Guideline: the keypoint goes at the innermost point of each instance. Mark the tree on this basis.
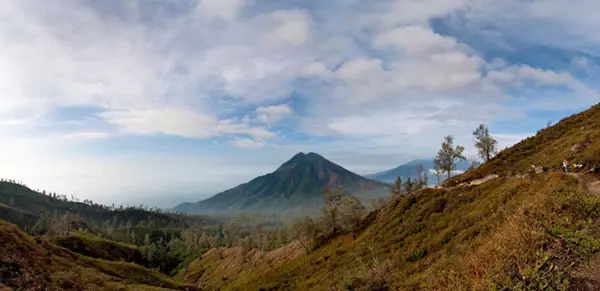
(438, 171)
(448, 155)
(351, 215)
(305, 232)
(333, 200)
(147, 240)
(408, 185)
(419, 176)
(485, 143)
(425, 180)
(397, 188)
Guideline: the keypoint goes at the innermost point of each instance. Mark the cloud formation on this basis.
(351, 79)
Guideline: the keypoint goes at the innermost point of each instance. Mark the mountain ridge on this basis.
(409, 170)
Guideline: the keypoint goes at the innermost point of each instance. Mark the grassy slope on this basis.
(548, 148)
(21, 218)
(99, 248)
(37, 264)
(505, 233)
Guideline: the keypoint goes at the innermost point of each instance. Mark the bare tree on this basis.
(438, 171)
(333, 200)
(305, 231)
(351, 214)
(419, 176)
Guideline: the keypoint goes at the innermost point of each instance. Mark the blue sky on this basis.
(164, 101)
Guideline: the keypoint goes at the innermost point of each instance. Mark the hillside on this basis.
(409, 170)
(575, 139)
(24, 206)
(519, 230)
(505, 233)
(28, 263)
(296, 184)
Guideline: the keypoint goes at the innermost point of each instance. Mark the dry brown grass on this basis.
(531, 247)
(511, 246)
(214, 270)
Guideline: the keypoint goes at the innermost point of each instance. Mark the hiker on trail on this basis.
(566, 166)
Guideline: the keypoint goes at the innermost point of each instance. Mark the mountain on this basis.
(296, 184)
(409, 170)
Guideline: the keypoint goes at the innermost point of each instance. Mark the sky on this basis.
(158, 102)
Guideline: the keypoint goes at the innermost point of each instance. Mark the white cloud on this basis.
(317, 70)
(181, 122)
(223, 9)
(87, 135)
(247, 143)
(230, 126)
(415, 39)
(291, 27)
(360, 70)
(273, 114)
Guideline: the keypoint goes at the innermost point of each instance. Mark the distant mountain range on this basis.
(410, 170)
(296, 184)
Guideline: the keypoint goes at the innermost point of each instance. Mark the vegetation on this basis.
(38, 264)
(512, 234)
(485, 143)
(575, 139)
(448, 155)
(148, 238)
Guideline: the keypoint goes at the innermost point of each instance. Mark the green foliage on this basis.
(39, 264)
(398, 187)
(485, 143)
(448, 155)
